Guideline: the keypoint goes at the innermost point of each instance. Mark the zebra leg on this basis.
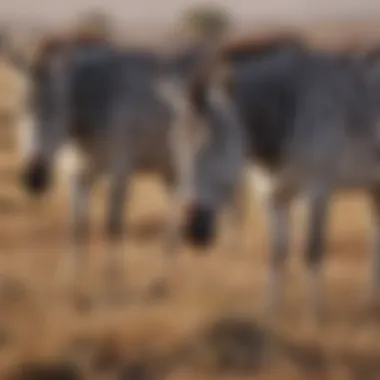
(172, 235)
(115, 227)
(179, 178)
(318, 205)
(236, 212)
(81, 184)
(278, 208)
(159, 287)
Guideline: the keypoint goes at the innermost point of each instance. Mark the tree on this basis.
(206, 20)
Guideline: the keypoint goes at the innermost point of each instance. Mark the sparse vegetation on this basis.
(206, 21)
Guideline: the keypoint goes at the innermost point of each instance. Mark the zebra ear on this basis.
(19, 61)
(14, 56)
(17, 56)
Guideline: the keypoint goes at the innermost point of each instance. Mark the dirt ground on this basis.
(208, 326)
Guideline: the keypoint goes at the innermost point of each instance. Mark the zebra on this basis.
(107, 103)
(305, 122)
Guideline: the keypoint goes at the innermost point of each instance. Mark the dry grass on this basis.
(209, 325)
(13, 88)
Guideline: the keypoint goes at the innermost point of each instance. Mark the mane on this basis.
(54, 44)
(49, 46)
(236, 50)
(87, 37)
(230, 53)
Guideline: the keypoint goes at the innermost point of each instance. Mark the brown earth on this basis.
(207, 327)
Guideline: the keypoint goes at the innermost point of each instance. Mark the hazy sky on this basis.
(165, 10)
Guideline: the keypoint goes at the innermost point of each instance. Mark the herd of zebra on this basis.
(304, 122)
